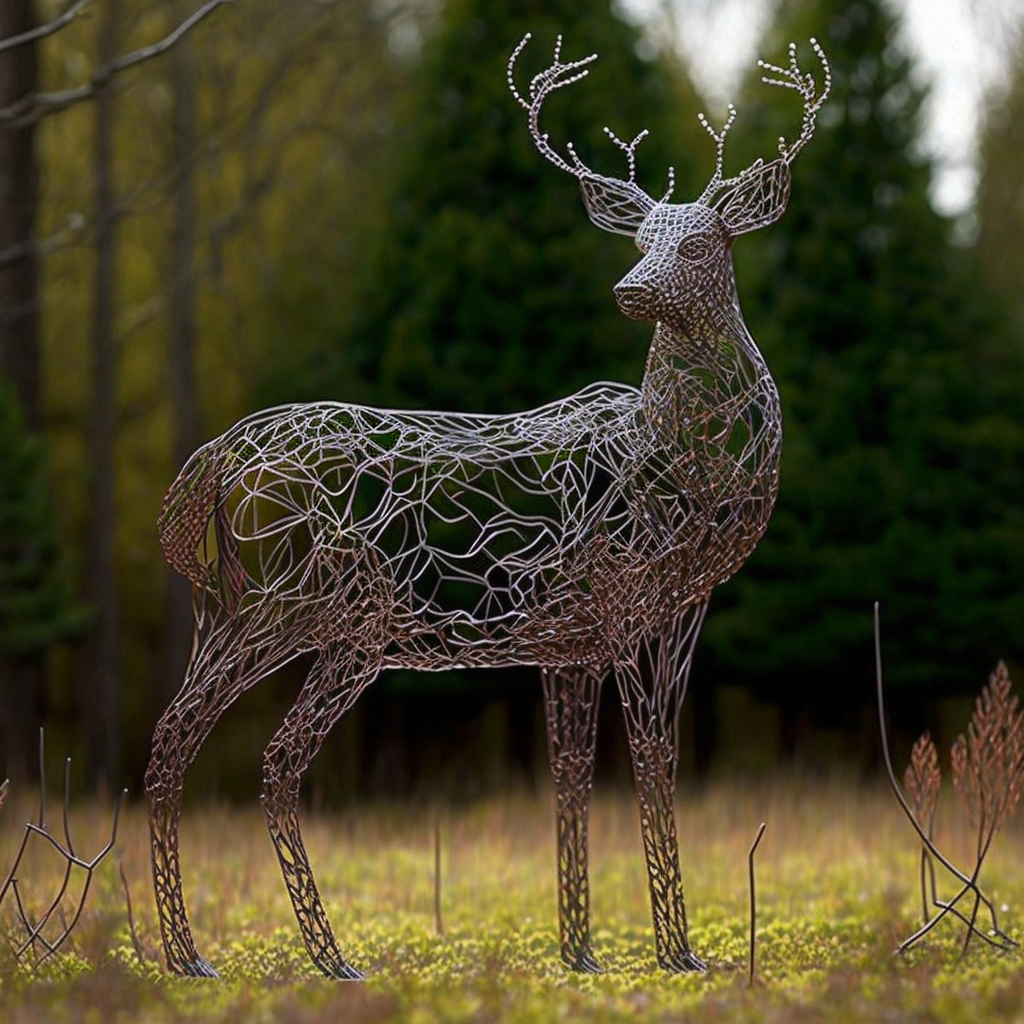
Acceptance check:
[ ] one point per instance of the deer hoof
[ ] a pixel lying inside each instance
(683, 963)
(337, 968)
(584, 962)
(196, 968)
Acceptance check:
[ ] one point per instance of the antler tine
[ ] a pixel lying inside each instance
(805, 84)
(510, 70)
(717, 181)
(629, 148)
(555, 76)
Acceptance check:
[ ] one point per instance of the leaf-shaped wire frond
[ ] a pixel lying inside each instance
(988, 763)
(923, 779)
(965, 781)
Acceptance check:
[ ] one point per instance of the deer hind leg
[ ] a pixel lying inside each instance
(571, 697)
(331, 689)
(223, 665)
(652, 685)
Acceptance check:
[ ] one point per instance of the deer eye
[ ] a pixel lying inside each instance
(695, 248)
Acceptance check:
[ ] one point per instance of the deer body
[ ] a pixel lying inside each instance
(613, 485)
(584, 537)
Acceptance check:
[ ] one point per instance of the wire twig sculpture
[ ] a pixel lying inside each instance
(992, 767)
(584, 537)
(42, 935)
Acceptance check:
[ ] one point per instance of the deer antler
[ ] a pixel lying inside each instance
(717, 181)
(805, 85)
(556, 76)
(788, 78)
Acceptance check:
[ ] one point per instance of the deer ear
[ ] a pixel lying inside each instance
(757, 200)
(613, 205)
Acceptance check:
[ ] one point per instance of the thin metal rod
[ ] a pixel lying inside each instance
(438, 922)
(753, 903)
(42, 779)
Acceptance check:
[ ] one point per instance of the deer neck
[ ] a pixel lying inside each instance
(704, 375)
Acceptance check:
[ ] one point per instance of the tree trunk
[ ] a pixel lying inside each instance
(182, 377)
(21, 679)
(19, 266)
(101, 671)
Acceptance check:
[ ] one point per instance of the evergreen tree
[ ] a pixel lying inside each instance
(37, 606)
(487, 288)
(903, 460)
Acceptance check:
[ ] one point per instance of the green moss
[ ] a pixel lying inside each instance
(836, 893)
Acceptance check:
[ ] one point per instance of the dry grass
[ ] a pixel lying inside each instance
(837, 889)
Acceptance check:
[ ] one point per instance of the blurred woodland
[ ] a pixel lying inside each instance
(339, 199)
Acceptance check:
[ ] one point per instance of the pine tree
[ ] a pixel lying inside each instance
(903, 453)
(487, 289)
(37, 605)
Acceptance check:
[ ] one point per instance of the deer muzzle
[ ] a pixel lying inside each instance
(637, 301)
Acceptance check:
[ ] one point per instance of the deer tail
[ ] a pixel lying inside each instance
(192, 502)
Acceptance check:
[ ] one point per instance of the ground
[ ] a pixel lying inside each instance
(836, 891)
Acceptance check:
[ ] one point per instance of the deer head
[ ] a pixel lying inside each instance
(685, 274)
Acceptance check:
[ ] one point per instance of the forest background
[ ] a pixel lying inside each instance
(340, 200)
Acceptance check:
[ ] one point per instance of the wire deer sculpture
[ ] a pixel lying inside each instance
(583, 537)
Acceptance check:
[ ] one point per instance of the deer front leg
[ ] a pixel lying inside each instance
(211, 683)
(165, 815)
(571, 698)
(652, 685)
(331, 688)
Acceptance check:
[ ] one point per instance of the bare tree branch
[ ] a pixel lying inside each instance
(33, 108)
(154, 50)
(42, 31)
(71, 233)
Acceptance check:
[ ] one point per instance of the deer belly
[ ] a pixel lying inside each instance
(505, 616)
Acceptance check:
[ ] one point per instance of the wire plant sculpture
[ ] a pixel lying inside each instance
(42, 935)
(988, 775)
(583, 537)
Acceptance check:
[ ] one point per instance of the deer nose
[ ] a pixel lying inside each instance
(635, 300)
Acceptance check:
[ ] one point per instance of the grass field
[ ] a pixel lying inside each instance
(836, 886)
